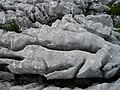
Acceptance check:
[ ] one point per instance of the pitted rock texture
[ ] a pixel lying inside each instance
(33, 13)
(64, 45)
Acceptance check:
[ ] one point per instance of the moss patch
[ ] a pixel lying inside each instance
(118, 30)
(11, 26)
(115, 10)
(117, 26)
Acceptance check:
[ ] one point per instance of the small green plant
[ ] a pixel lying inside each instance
(117, 26)
(118, 30)
(11, 26)
(115, 10)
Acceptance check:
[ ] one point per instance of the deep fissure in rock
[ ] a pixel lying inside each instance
(52, 21)
(18, 58)
(3, 67)
(65, 48)
(81, 83)
(24, 79)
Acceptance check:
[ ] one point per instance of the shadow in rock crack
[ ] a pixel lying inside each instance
(17, 58)
(53, 19)
(81, 83)
(6, 59)
(24, 79)
(3, 67)
(70, 83)
(70, 47)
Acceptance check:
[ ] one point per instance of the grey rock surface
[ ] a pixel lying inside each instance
(108, 1)
(63, 45)
(32, 86)
(102, 18)
(117, 20)
(2, 18)
(4, 85)
(6, 76)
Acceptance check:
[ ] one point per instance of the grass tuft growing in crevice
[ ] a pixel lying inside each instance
(11, 26)
(114, 9)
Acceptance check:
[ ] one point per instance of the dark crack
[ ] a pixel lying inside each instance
(81, 83)
(24, 79)
(17, 58)
(3, 67)
(69, 47)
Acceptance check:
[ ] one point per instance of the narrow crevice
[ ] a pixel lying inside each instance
(55, 48)
(60, 48)
(69, 47)
(81, 83)
(52, 21)
(59, 68)
(24, 79)
(18, 48)
(106, 37)
(3, 67)
(17, 58)
(45, 44)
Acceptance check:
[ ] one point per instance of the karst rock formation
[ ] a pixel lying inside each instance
(59, 45)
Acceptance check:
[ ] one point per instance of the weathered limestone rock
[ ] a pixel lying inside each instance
(34, 1)
(98, 29)
(117, 35)
(106, 86)
(80, 19)
(14, 39)
(108, 1)
(111, 70)
(42, 61)
(7, 2)
(116, 20)
(4, 85)
(32, 86)
(46, 60)
(80, 2)
(60, 41)
(10, 16)
(52, 88)
(99, 8)
(65, 38)
(24, 23)
(55, 39)
(103, 56)
(2, 17)
(102, 18)
(6, 76)
(65, 74)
